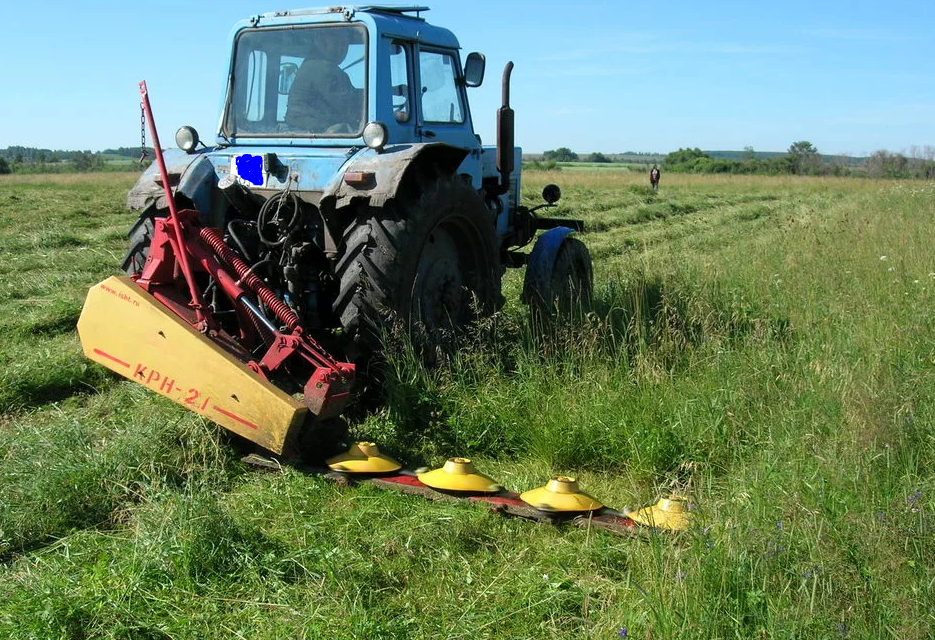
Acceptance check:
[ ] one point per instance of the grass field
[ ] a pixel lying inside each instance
(763, 346)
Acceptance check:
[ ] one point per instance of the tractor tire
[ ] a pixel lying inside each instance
(140, 236)
(572, 278)
(432, 265)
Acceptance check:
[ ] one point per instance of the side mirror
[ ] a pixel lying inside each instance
(287, 73)
(474, 68)
(551, 193)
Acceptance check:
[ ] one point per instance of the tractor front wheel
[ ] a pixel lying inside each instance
(572, 279)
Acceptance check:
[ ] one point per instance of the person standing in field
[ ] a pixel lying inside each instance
(654, 178)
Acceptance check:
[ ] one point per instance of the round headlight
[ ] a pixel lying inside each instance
(375, 135)
(187, 138)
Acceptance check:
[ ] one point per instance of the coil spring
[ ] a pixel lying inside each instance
(213, 239)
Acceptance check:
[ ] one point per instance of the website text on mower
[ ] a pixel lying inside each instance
(346, 189)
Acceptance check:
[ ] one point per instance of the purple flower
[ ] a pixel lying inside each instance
(911, 500)
(623, 633)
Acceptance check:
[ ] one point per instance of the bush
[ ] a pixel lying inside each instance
(4, 166)
(562, 154)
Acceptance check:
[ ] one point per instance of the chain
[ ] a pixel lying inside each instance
(143, 152)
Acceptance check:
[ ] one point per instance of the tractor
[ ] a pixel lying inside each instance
(346, 190)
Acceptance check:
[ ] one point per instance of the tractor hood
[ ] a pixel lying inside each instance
(263, 168)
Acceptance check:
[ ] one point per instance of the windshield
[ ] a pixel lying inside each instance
(301, 82)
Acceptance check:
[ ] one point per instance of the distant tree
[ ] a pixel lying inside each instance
(683, 156)
(597, 156)
(4, 166)
(839, 165)
(688, 161)
(748, 154)
(803, 158)
(82, 161)
(87, 161)
(562, 154)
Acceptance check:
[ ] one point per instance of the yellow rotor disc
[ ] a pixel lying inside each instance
(459, 474)
(560, 494)
(669, 513)
(363, 457)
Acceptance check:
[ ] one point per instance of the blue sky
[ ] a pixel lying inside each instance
(851, 77)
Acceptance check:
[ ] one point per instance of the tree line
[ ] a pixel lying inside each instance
(18, 159)
(801, 158)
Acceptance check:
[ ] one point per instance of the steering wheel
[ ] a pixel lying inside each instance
(341, 127)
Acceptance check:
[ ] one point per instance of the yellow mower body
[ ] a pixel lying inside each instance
(131, 333)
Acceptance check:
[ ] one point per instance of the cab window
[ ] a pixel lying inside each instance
(441, 98)
(399, 80)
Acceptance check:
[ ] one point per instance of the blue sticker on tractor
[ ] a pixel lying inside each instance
(250, 168)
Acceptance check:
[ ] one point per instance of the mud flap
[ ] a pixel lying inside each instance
(128, 331)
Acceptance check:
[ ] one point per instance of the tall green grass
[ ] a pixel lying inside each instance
(763, 346)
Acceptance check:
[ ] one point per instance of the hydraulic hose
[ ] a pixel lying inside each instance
(270, 299)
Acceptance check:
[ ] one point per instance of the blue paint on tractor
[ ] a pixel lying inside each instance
(250, 168)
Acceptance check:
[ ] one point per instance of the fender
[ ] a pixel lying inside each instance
(386, 170)
(190, 175)
(541, 262)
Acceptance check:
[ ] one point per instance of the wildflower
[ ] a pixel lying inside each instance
(623, 633)
(843, 629)
(915, 282)
(911, 500)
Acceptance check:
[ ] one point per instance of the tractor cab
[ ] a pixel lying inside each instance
(350, 78)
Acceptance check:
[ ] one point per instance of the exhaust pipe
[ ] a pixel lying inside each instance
(505, 137)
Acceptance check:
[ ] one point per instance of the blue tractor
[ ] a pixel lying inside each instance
(348, 173)
(347, 189)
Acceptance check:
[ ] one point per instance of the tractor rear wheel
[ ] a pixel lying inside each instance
(433, 265)
(140, 235)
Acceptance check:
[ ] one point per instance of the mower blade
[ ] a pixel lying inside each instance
(508, 503)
